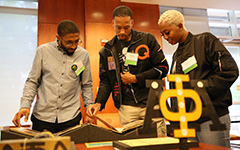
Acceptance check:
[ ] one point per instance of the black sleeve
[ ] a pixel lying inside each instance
(225, 68)
(104, 89)
(160, 66)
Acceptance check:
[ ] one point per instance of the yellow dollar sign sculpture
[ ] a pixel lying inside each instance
(182, 116)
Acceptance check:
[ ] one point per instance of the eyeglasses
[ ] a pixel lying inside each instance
(71, 43)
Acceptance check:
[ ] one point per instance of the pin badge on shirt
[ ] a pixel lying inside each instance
(74, 67)
(111, 64)
(131, 59)
(189, 64)
(78, 67)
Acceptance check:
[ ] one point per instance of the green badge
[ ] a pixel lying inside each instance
(74, 67)
(78, 67)
(189, 64)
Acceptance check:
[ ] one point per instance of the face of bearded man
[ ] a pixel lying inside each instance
(69, 42)
(122, 27)
(69, 51)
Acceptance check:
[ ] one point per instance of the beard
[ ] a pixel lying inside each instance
(69, 51)
(124, 37)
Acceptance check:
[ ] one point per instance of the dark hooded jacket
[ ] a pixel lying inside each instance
(151, 64)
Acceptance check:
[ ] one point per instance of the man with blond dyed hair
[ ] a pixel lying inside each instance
(213, 63)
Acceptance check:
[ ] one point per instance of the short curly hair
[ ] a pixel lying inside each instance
(172, 17)
(122, 11)
(67, 27)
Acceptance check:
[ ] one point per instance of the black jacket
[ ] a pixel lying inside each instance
(215, 64)
(149, 66)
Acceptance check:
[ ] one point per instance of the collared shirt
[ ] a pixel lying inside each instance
(57, 86)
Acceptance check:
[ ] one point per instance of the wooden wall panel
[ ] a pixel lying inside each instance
(145, 16)
(46, 33)
(94, 33)
(51, 12)
(54, 11)
(100, 10)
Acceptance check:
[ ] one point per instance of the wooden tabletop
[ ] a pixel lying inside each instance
(202, 146)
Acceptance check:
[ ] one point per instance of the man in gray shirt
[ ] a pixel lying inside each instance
(60, 73)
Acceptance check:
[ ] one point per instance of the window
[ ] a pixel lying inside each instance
(220, 29)
(235, 89)
(218, 15)
(225, 25)
(224, 22)
(238, 29)
(237, 16)
(18, 43)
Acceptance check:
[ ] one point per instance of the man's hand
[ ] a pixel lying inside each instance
(22, 112)
(127, 78)
(89, 119)
(93, 109)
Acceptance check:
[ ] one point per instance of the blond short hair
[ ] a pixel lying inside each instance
(172, 17)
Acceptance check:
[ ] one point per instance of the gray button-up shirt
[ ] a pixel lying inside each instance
(57, 86)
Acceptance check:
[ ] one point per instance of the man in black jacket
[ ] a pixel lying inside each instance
(212, 62)
(126, 61)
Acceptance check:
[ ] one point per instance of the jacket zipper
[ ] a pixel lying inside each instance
(219, 61)
(132, 90)
(133, 93)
